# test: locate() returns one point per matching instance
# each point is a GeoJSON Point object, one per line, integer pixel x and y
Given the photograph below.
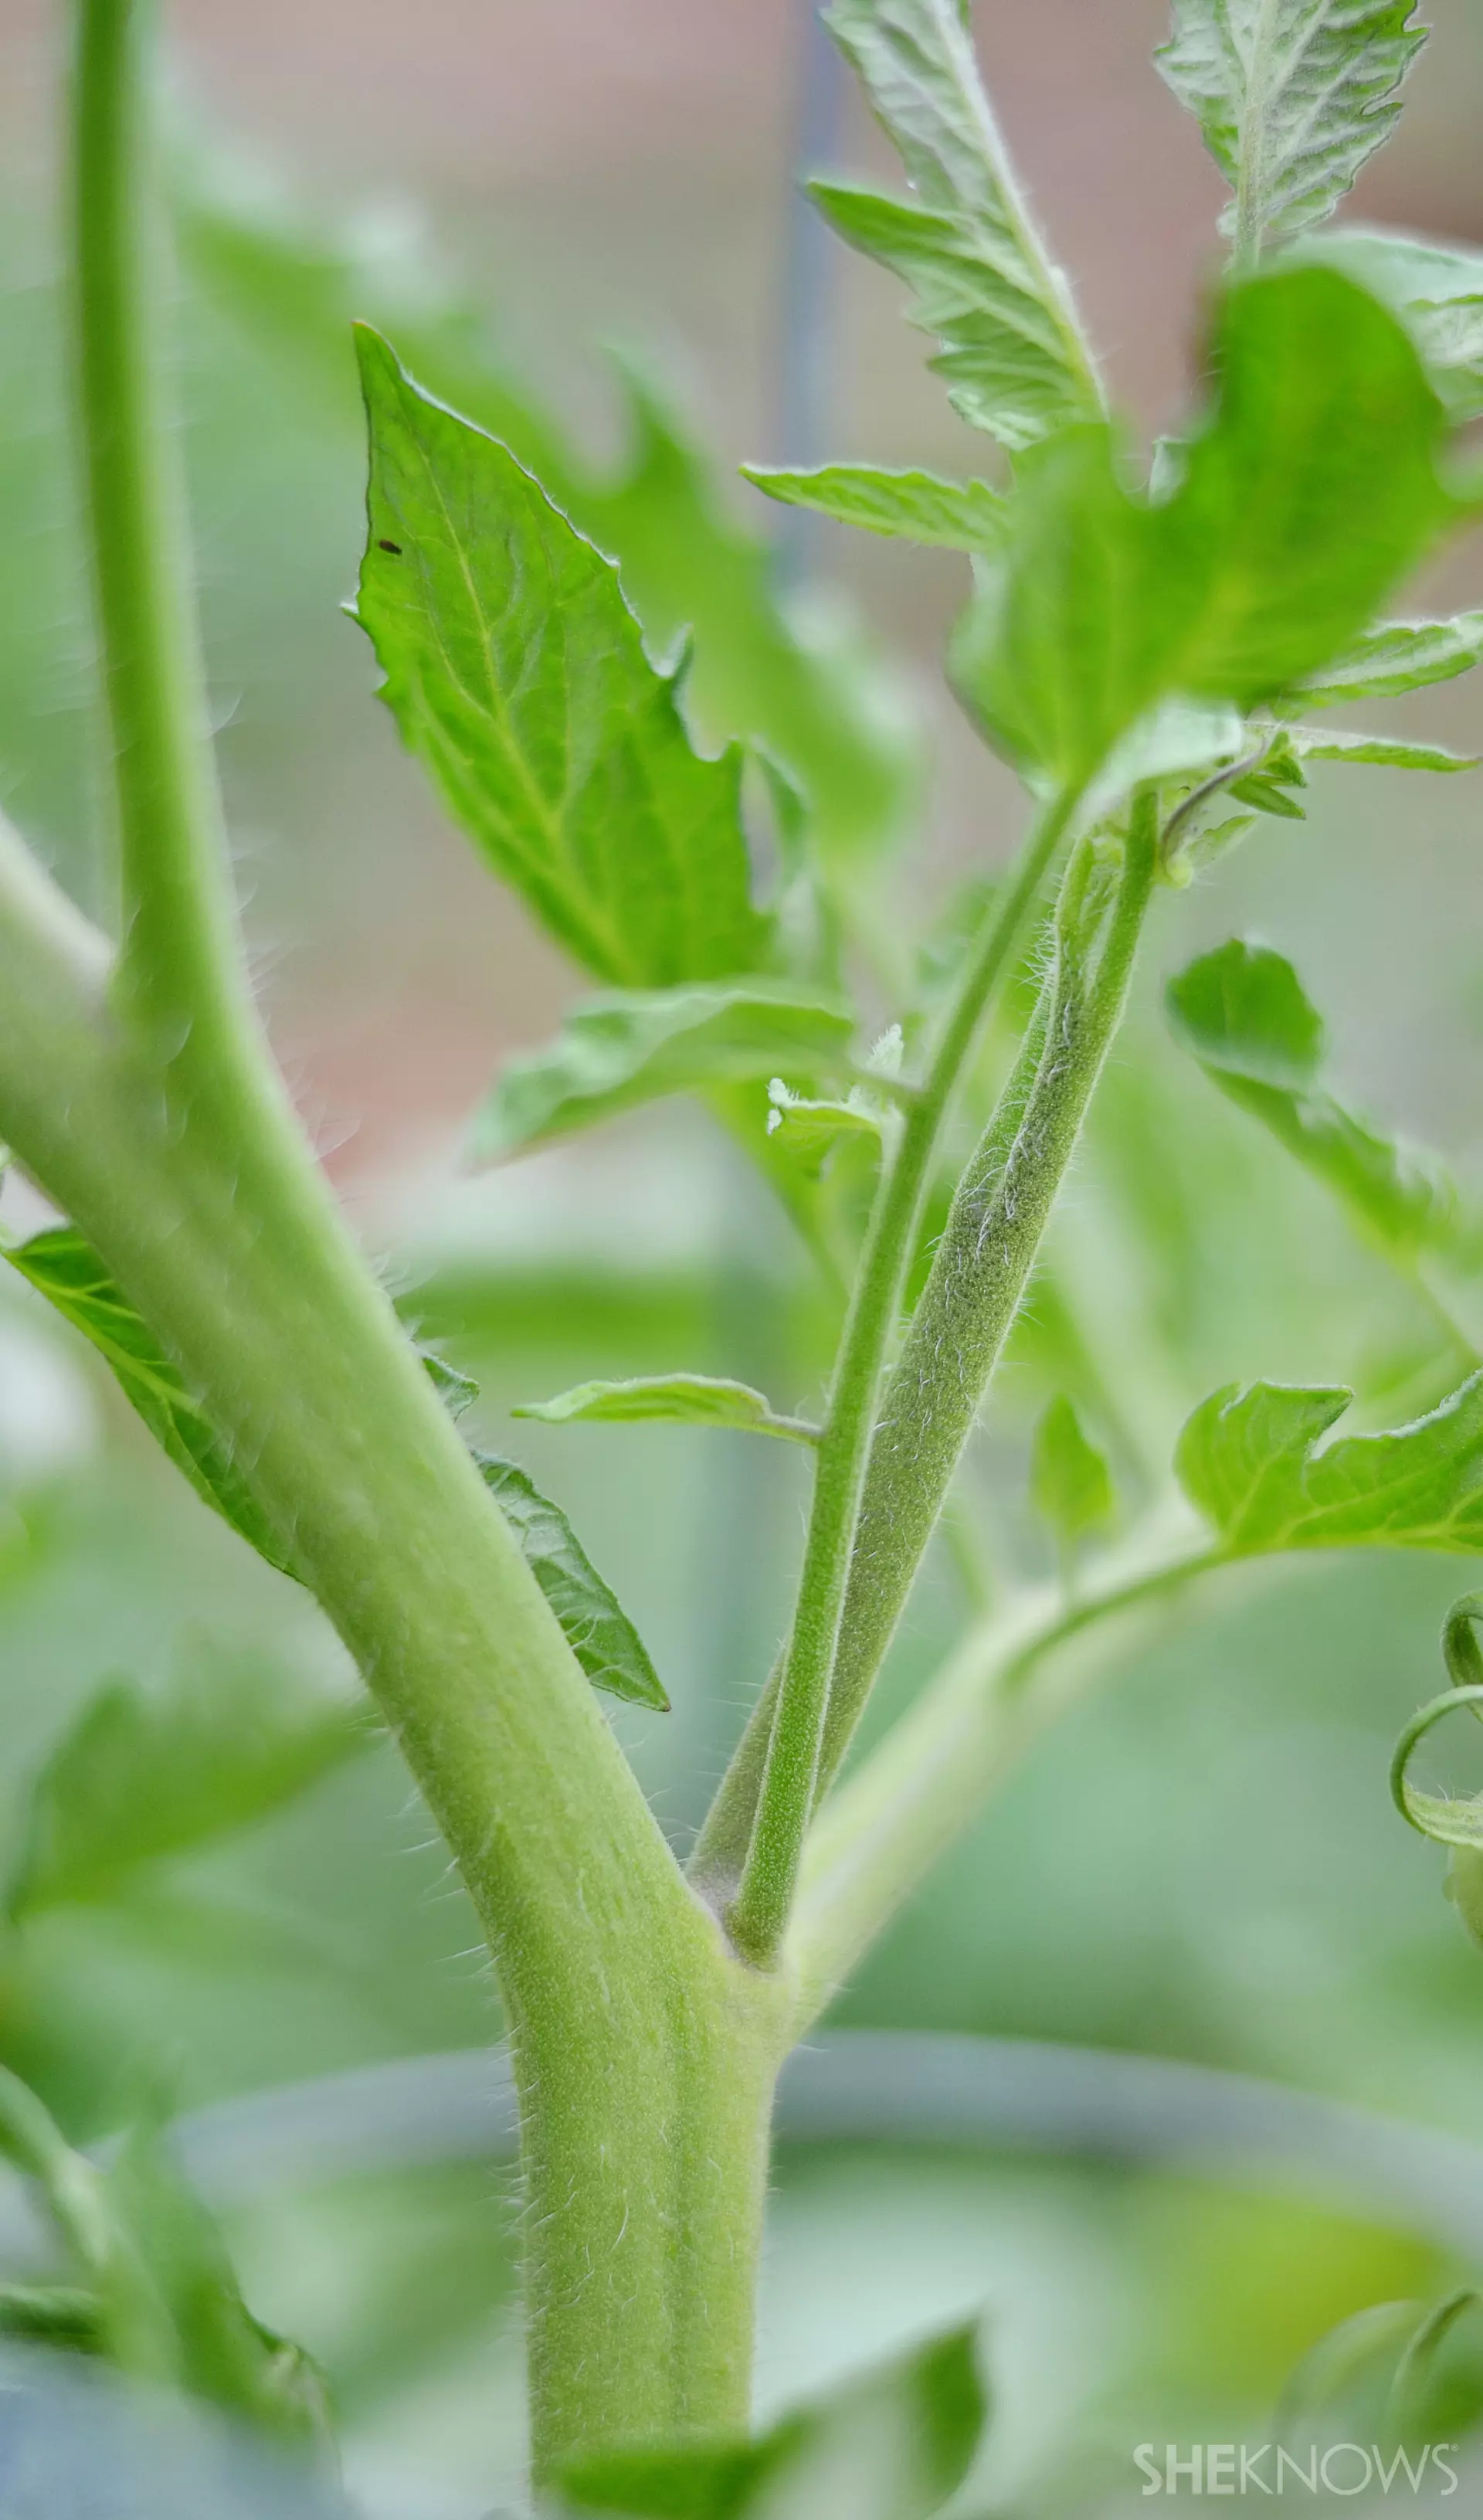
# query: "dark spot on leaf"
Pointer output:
{"type": "Point", "coordinates": [395, 549]}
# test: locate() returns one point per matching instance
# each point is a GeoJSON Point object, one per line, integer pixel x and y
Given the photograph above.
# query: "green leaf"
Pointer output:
{"type": "Point", "coordinates": [516, 673]}
{"type": "Point", "coordinates": [683, 1399]}
{"type": "Point", "coordinates": [1070, 1483]}
{"type": "Point", "coordinates": [598, 1629]}
{"type": "Point", "coordinates": [69, 1273]}
{"type": "Point", "coordinates": [1246, 1459]}
{"type": "Point", "coordinates": [1401, 656]}
{"type": "Point", "coordinates": [61, 2315]}
{"type": "Point", "coordinates": [916, 506]}
{"type": "Point", "coordinates": [1292, 97]}
{"type": "Point", "coordinates": [811, 1130]}
{"type": "Point", "coordinates": [1310, 489]}
{"type": "Point", "coordinates": [1013, 353]}
{"type": "Point", "coordinates": [140, 1774]}
{"type": "Point", "coordinates": [1385, 752]}
{"type": "Point", "coordinates": [1244, 1013]}
{"type": "Point", "coordinates": [621, 1051]}
{"type": "Point", "coordinates": [457, 1391]}
{"type": "Point", "coordinates": [1435, 290]}
{"type": "Point", "coordinates": [895, 2446]}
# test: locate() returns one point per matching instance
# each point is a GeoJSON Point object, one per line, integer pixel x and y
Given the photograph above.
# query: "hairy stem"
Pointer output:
{"type": "Point", "coordinates": [788, 1775]}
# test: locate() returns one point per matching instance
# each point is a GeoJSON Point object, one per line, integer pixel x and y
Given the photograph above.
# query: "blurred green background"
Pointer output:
{"type": "Point", "coordinates": [1200, 1862]}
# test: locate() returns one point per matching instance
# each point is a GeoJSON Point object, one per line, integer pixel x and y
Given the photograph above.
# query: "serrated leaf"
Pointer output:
{"type": "Point", "coordinates": [1013, 353]}
{"type": "Point", "coordinates": [516, 674]}
{"type": "Point", "coordinates": [1310, 489]}
{"type": "Point", "coordinates": [618, 1051]}
{"type": "Point", "coordinates": [141, 1775]}
{"type": "Point", "coordinates": [457, 1391]}
{"type": "Point", "coordinates": [914, 507]}
{"type": "Point", "coordinates": [1292, 97]}
{"type": "Point", "coordinates": [1382, 752]}
{"type": "Point", "coordinates": [1437, 293]}
{"type": "Point", "coordinates": [893, 2446]}
{"type": "Point", "coordinates": [1070, 1483]}
{"type": "Point", "coordinates": [1246, 1459]}
{"type": "Point", "coordinates": [1244, 1013]}
{"type": "Point", "coordinates": [598, 1630]}
{"type": "Point", "coordinates": [1401, 656]}
{"type": "Point", "coordinates": [681, 1399]}
{"type": "Point", "coordinates": [68, 1272]}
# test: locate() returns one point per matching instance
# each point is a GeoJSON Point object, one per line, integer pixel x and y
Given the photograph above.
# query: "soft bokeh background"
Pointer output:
{"type": "Point", "coordinates": [1201, 1862]}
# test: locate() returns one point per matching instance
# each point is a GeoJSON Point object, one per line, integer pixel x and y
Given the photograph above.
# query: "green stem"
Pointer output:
{"type": "Point", "coordinates": [788, 1777]}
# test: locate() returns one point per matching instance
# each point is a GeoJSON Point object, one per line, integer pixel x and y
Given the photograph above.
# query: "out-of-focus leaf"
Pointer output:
{"type": "Point", "coordinates": [1383, 751]}
{"type": "Point", "coordinates": [1437, 293]}
{"type": "Point", "coordinates": [1244, 1013]}
{"type": "Point", "coordinates": [683, 1399]}
{"type": "Point", "coordinates": [1401, 656]}
{"type": "Point", "coordinates": [623, 1051]}
{"type": "Point", "coordinates": [69, 1273]}
{"type": "Point", "coordinates": [1070, 1483]}
{"type": "Point", "coordinates": [809, 1130]}
{"type": "Point", "coordinates": [1246, 1459]}
{"type": "Point", "coordinates": [141, 1775]}
{"type": "Point", "coordinates": [1310, 491]}
{"type": "Point", "coordinates": [894, 2446]}
{"type": "Point", "coordinates": [597, 1628]}
{"type": "Point", "coordinates": [1013, 352]}
{"type": "Point", "coordinates": [1292, 97]}
{"type": "Point", "coordinates": [61, 2315]}
{"type": "Point", "coordinates": [516, 673]}
{"type": "Point", "coordinates": [914, 507]}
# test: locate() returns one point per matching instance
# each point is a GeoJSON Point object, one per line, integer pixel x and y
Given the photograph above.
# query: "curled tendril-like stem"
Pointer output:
{"type": "Point", "coordinates": [1450, 1820]}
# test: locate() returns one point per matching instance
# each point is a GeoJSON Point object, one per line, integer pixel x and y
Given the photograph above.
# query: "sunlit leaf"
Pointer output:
{"type": "Point", "coordinates": [1401, 656]}
{"type": "Point", "coordinates": [69, 1273]}
{"type": "Point", "coordinates": [601, 1635]}
{"type": "Point", "coordinates": [140, 1774]}
{"type": "Point", "coordinates": [621, 1051]}
{"type": "Point", "coordinates": [1247, 1460]}
{"type": "Point", "coordinates": [1012, 354]}
{"type": "Point", "coordinates": [1292, 97]}
{"type": "Point", "coordinates": [518, 675]}
{"type": "Point", "coordinates": [914, 507]}
{"type": "Point", "coordinates": [894, 2446]}
{"type": "Point", "coordinates": [683, 1399]}
{"type": "Point", "coordinates": [1070, 1483]}
{"type": "Point", "coordinates": [1244, 1013]}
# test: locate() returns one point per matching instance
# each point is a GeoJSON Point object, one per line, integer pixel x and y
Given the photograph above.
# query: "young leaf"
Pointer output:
{"type": "Point", "coordinates": [683, 1399]}
{"type": "Point", "coordinates": [894, 2446]}
{"type": "Point", "coordinates": [1012, 351]}
{"type": "Point", "coordinates": [1312, 489]}
{"type": "Point", "coordinates": [69, 1273]}
{"type": "Point", "coordinates": [1382, 752]}
{"type": "Point", "coordinates": [142, 1774]}
{"type": "Point", "coordinates": [1403, 656]}
{"type": "Point", "coordinates": [811, 1130]}
{"type": "Point", "coordinates": [1070, 1484]}
{"type": "Point", "coordinates": [914, 507]}
{"type": "Point", "coordinates": [1243, 1012]}
{"type": "Point", "coordinates": [518, 675]}
{"type": "Point", "coordinates": [1246, 1459]}
{"type": "Point", "coordinates": [622, 1051]}
{"type": "Point", "coordinates": [457, 1391]}
{"type": "Point", "coordinates": [1292, 97]}
{"type": "Point", "coordinates": [1435, 290]}
{"type": "Point", "coordinates": [598, 1629]}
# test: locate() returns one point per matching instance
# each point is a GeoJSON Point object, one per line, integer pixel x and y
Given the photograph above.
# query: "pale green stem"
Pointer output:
{"type": "Point", "coordinates": [786, 1798]}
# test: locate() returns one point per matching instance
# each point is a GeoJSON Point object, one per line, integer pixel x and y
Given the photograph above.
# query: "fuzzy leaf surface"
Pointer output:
{"type": "Point", "coordinates": [1292, 97]}
{"type": "Point", "coordinates": [632, 1049]}
{"type": "Point", "coordinates": [1381, 751]}
{"type": "Point", "coordinates": [894, 2446]}
{"type": "Point", "coordinates": [607, 1644]}
{"type": "Point", "coordinates": [913, 507]}
{"type": "Point", "coordinates": [518, 675]}
{"type": "Point", "coordinates": [1312, 489]}
{"type": "Point", "coordinates": [681, 1399]}
{"type": "Point", "coordinates": [1248, 1459]}
{"type": "Point", "coordinates": [1401, 656]}
{"type": "Point", "coordinates": [1013, 355]}
{"type": "Point", "coordinates": [68, 1272]}
{"type": "Point", "coordinates": [141, 1775]}
{"type": "Point", "coordinates": [1247, 1018]}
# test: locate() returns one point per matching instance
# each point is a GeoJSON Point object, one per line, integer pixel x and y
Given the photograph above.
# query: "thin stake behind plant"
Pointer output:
{"type": "Point", "coordinates": [1145, 656]}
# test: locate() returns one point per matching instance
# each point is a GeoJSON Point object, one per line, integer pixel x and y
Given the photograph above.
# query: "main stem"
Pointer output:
{"type": "Point", "coordinates": [141, 1093]}
{"type": "Point", "coordinates": [758, 1914]}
